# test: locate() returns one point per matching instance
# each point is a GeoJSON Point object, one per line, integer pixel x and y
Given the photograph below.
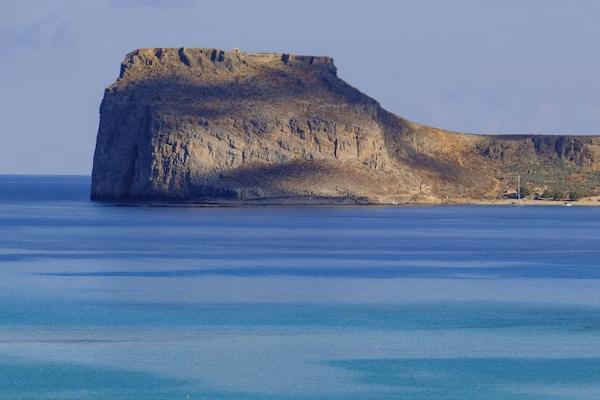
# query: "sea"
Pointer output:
{"type": "Point", "coordinates": [116, 301]}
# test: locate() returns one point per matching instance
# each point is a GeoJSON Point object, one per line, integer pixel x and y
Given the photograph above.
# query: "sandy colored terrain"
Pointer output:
{"type": "Point", "coordinates": [587, 201]}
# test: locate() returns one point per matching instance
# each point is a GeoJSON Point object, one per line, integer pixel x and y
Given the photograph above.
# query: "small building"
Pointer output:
{"type": "Point", "coordinates": [510, 193]}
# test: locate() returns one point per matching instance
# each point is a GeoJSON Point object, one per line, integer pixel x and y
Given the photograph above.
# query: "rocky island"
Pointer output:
{"type": "Point", "coordinates": [213, 126]}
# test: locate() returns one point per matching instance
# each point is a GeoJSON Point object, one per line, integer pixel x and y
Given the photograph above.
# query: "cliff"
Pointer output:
{"type": "Point", "coordinates": [206, 125]}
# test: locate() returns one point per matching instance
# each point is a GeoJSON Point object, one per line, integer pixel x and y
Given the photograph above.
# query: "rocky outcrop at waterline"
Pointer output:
{"type": "Point", "coordinates": [206, 125]}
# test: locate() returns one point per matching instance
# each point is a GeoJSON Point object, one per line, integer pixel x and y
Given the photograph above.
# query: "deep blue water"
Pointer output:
{"type": "Point", "coordinates": [104, 301]}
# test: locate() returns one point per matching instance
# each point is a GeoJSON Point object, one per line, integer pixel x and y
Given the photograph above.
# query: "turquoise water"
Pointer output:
{"type": "Point", "coordinates": [101, 301]}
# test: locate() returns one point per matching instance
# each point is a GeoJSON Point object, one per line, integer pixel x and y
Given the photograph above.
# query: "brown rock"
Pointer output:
{"type": "Point", "coordinates": [199, 125]}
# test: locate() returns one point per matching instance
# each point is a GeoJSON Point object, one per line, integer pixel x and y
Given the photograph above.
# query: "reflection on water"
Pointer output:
{"type": "Point", "coordinates": [100, 301]}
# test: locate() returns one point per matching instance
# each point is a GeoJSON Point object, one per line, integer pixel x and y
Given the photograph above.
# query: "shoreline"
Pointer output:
{"type": "Point", "coordinates": [585, 202]}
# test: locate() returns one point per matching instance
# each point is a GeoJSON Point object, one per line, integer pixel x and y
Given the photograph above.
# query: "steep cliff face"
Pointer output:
{"type": "Point", "coordinates": [208, 125]}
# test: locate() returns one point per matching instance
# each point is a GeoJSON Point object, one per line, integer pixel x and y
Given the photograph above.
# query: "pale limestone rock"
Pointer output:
{"type": "Point", "coordinates": [197, 125]}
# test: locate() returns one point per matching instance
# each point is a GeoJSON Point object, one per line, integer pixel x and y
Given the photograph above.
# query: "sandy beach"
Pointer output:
{"type": "Point", "coordinates": [586, 201]}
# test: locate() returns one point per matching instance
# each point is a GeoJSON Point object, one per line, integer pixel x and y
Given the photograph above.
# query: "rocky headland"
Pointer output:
{"type": "Point", "coordinates": [213, 126]}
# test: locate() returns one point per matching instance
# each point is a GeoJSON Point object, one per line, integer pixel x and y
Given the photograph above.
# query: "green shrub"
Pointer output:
{"type": "Point", "coordinates": [575, 195]}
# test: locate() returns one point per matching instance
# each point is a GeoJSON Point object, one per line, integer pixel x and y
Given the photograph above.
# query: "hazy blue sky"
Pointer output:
{"type": "Point", "coordinates": [479, 66]}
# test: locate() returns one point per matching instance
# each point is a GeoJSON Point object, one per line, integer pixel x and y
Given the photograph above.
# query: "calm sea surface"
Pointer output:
{"type": "Point", "coordinates": [419, 303]}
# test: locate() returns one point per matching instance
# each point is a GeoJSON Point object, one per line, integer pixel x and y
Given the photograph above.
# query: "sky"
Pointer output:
{"type": "Point", "coordinates": [523, 66]}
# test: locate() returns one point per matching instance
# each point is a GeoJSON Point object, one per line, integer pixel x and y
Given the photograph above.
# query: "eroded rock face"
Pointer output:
{"type": "Point", "coordinates": [208, 125]}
